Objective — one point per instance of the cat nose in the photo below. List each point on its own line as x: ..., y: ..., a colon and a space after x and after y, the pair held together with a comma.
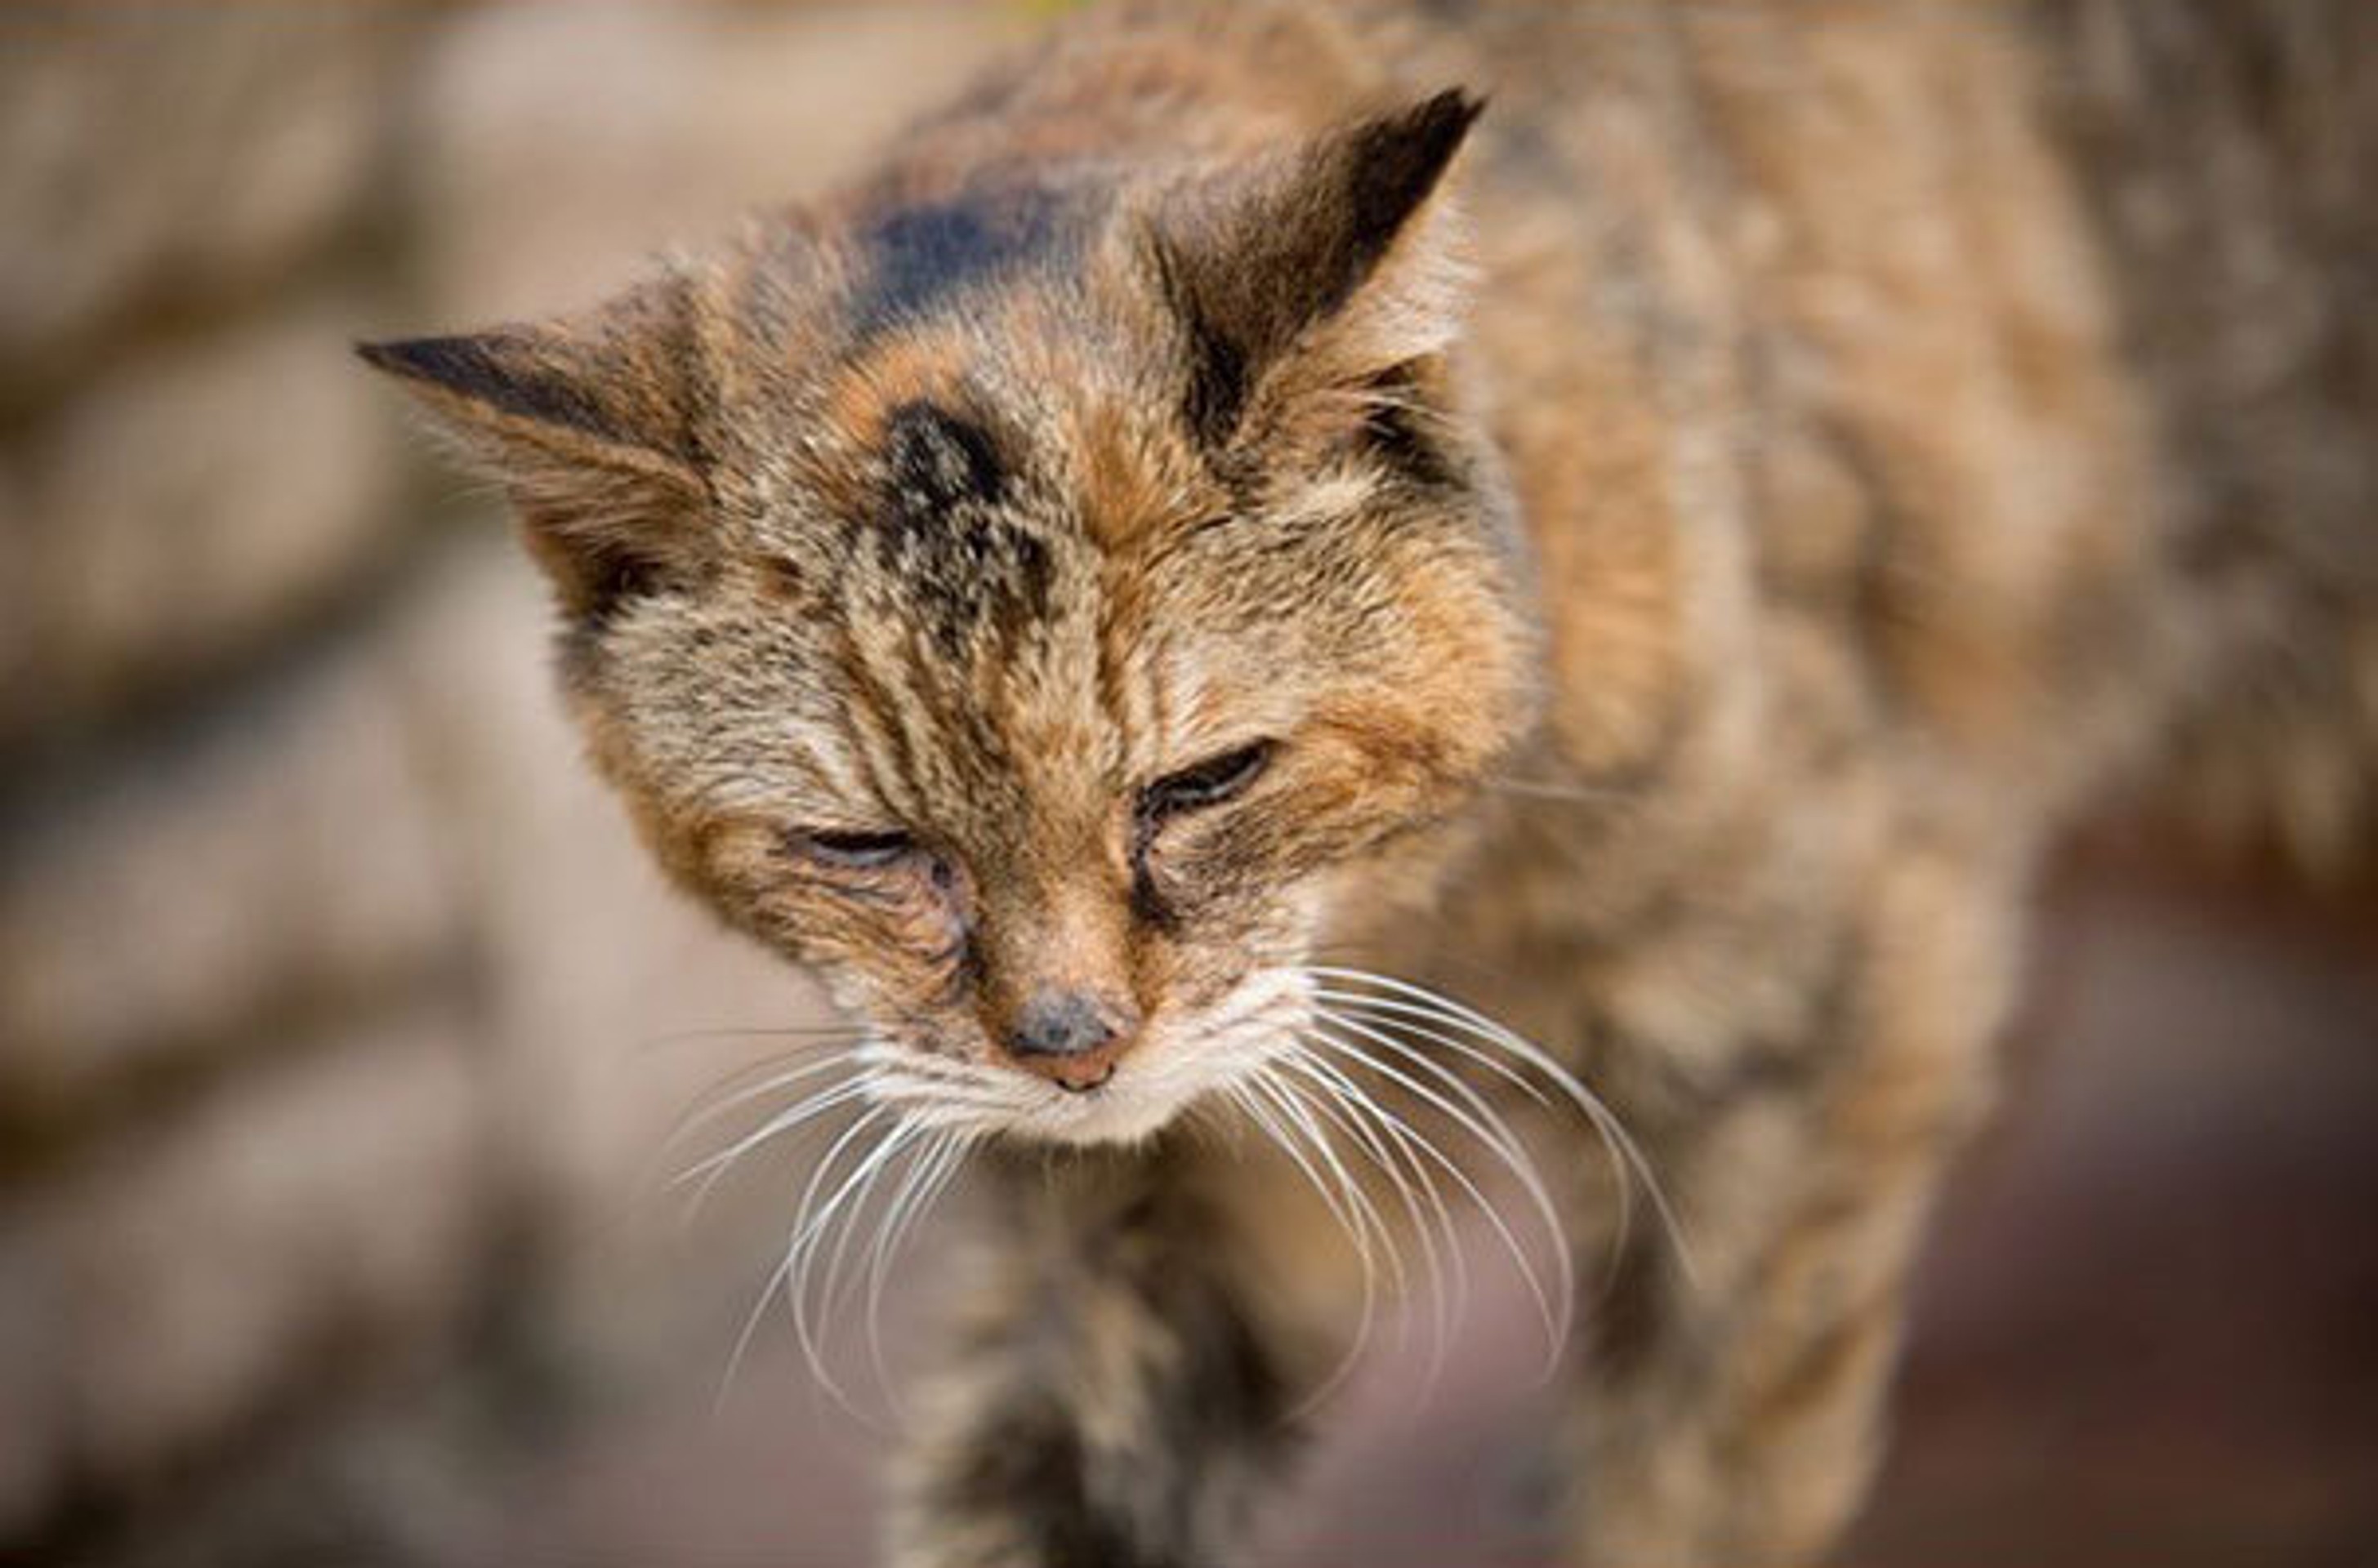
x: 1069, y: 1038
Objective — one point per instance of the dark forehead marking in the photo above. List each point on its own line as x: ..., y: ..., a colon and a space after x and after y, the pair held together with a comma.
x: 944, y: 531
x: 938, y: 461
x: 918, y: 257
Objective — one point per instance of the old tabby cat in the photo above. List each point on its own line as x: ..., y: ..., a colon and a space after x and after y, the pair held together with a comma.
x: 1209, y: 554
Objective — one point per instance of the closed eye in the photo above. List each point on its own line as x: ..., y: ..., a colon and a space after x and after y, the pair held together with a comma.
x: 850, y: 850
x: 1216, y: 779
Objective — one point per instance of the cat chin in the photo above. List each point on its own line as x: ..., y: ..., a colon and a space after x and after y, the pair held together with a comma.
x: 1130, y: 1109
x: 1112, y: 1117
x: 1145, y: 1096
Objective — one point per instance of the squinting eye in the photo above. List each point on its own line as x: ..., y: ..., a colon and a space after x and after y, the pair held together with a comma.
x: 858, y: 852
x: 1208, y: 783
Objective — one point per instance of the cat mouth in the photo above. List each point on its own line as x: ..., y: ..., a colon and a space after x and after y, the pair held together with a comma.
x: 1089, y: 1084
x: 1108, y: 1098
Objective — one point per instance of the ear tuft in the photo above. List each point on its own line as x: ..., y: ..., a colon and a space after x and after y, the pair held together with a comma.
x: 593, y: 424
x: 1256, y: 260
x: 1392, y: 165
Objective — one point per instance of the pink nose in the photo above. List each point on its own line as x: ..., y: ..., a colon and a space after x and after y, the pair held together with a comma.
x: 1068, y: 1038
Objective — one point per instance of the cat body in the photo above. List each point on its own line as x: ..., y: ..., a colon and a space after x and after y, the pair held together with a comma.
x: 1213, y: 532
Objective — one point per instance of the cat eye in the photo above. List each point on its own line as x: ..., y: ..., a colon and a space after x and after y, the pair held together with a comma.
x: 1208, y: 783
x: 850, y: 850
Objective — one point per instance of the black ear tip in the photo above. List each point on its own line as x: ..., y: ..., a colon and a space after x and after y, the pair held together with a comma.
x: 1457, y: 105
x: 1446, y: 117
x: 481, y: 367
x: 416, y: 358
x: 1411, y: 149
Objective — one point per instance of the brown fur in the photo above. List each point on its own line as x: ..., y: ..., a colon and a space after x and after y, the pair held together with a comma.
x: 1700, y: 633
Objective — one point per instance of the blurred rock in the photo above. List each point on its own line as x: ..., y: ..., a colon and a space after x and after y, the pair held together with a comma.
x: 197, y: 501
x: 333, y: 1207
x: 284, y: 862
x: 19, y: 604
x: 33, y: 1369
x: 159, y: 155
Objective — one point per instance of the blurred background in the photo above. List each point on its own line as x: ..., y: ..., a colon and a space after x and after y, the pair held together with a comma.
x: 343, y: 1028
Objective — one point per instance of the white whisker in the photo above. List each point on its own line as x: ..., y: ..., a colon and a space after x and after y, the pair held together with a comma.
x: 717, y: 1102
x: 1408, y: 1019
x: 1401, y: 1017
x: 929, y: 1176
x: 1345, y: 1103
x: 810, y: 1229
x: 1239, y: 1095
x: 713, y: 1169
x: 1294, y: 1105
x: 781, y: 1274
x: 1626, y: 1155
x: 1555, y: 1319
x: 1504, y: 1140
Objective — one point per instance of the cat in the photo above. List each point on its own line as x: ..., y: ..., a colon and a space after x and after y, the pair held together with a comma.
x: 1234, y: 583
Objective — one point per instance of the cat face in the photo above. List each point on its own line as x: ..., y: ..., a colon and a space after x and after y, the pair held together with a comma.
x: 1042, y: 606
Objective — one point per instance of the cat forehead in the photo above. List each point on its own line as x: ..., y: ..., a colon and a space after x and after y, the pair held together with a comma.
x: 965, y: 452
x: 914, y: 260
x: 948, y: 526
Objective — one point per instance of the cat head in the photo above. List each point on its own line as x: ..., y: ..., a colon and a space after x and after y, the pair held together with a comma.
x: 1049, y: 601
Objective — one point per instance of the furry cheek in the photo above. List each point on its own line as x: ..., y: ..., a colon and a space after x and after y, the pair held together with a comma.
x: 901, y: 929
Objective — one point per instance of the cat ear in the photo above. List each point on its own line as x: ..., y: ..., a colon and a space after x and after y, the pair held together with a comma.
x: 590, y: 423
x: 1332, y: 235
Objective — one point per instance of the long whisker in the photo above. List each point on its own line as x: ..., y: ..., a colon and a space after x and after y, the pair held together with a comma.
x: 1265, y: 1116
x: 781, y: 1274
x: 1294, y: 1105
x: 1396, y: 1128
x: 1346, y: 1104
x: 1504, y: 1140
x: 1487, y: 1125
x: 1405, y: 1014
x: 713, y: 1169
x: 1269, y: 1125
x: 1606, y: 1121
x: 718, y: 1101
x: 1555, y: 1318
x: 1401, y: 1018
x: 845, y: 1204
x: 906, y: 1140
x: 939, y: 1164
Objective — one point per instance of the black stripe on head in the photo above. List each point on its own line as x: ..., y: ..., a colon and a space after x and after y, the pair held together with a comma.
x: 942, y: 530
x: 918, y: 257
x: 938, y: 462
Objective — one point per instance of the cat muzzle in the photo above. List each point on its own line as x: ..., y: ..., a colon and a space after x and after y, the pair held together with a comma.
x: 1068, y: 1038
